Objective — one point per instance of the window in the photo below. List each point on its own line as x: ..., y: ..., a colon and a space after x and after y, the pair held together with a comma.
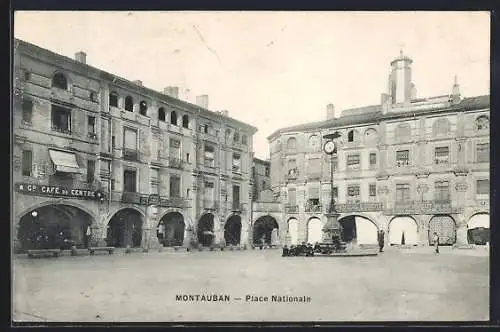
x: 402, y: 192
x: 113, y: 99
x: 236, y: 197
x: 113, y: 141
x: 27, y: 75
x: 130, y: 139
x: 402, y: 158
x: 373, y: 160
x: 236, y: 163
x: 483, y: 153
x: 91, y: 125
x: 482, y: 187
x: 185, y: 121
x: 441, y: 155
x: 335, y: 192
x: 353, y: 161
x: 205, y: 128
x: 442, y: 191
x: 93, y: 96
x: 129, y: 104
x: 402, y: 132
x: 291, y: 144
x: 244, y: 139
x: 143, y: 108
x: 90, y: 171
x: 353, y: 191
x: 267, y: 171
x: 292, y: 196
x: 372, y: 190
x: 175, y: 186
x: 482, y: 123
x: 264, y: 185
x: 441, y: 127
x: 154, y: 174
x: 27, y: 110
x: 292, y: 168
x: 371, y: 137
x: 105, y: 166
x: 113, y: 184
x: 187, y: 157
x: 61, y: 119
x: 209, y: 156
x: 27, y: 162
x: 173, y: 118
x: 129, y: 181
x: 236, y: 137
x: 314, y: 143
x: 161, y: 114
x: 350, y: 136
x: 60, y: 81
x: 175, y: 149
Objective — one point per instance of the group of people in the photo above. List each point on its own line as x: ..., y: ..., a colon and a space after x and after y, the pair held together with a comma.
x: 302, y: 249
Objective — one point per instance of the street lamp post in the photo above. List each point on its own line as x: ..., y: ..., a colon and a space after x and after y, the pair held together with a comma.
x: 331, y: 226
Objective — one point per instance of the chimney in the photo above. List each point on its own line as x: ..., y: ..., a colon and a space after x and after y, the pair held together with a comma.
x: 172, y: 91
x: 81, y: 57
x: 225, y: 112
x: 400, y: 79
x: 330, y: 111
x: 202, y: 101
x: 455, y: 91
x: 138, y: 82
x: 413, y: 91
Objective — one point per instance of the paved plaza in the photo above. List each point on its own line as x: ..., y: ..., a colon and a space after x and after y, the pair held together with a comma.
x: 399, y: 284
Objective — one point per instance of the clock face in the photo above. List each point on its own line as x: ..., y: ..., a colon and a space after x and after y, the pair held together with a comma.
x: 329, y: 147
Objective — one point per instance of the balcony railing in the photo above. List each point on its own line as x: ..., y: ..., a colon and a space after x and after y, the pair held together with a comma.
x: 292, y: 209
x: 175, y: 163
x: 292, y: 174
x: 61, y: 130
x: 359, y: 207
x: 424, y: 207
x: 177, y: 202
x: 130, y: 154
x: 313, y: 208
x: 131, y: 197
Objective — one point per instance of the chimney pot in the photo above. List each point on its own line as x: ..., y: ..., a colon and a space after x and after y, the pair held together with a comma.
x: 81, y: 57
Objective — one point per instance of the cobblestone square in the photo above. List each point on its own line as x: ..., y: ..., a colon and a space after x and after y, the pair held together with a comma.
x: 407, y: 285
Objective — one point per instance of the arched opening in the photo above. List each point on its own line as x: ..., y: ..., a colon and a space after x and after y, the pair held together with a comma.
x: 113, y: 99
x: 173, y: 118
x: 185, y: 121
x: 403, y: 231
x: 359, y: 229
x: 478, y: 229
x: 206, y: 230
x: 60, y: 81
x: 291, y: 144
x: 263, y: 230
x: 314, y: 230
x: 293, y: 231
x: 482, y: 123
x: 444, y: 226
x: 161, y: 114
x: 129, y: 104
x: 143, y: 108
x: 350, y: 136
x: 170, y: 230
x: 232, y: 230
x: 125, y: 229
x: 54, y: 226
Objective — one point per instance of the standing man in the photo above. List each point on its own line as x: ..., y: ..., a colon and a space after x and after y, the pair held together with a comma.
x: 436, y: 243
x: 381, y: 235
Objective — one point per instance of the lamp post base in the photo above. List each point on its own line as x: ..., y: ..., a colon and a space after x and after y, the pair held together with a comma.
x: 332, y: 227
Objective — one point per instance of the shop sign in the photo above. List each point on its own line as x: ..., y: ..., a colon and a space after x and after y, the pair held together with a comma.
x: 57, y: 191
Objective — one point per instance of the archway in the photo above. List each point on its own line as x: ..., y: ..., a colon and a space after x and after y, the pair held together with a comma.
x: 171, y: 229
x: 293, y: 231
x: 403, y: 231
x: 359, y: 229
x: 232, y: 230
x: 125, y: 229
x: 263, y: 228
x: 478, y: 229
x: 48, y: 227
x: 314, y: 231
x: 206, y: 229
x: 444, y: 226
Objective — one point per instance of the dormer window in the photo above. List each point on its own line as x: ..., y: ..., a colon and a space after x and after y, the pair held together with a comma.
x: 59, y: 81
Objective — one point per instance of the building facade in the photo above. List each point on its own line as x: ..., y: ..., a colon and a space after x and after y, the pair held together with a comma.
x: 410, y: 166
x: 261, y: 175
x: 105, y: 161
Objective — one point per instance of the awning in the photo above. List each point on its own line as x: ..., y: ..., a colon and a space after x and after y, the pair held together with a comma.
x: 65, y: 161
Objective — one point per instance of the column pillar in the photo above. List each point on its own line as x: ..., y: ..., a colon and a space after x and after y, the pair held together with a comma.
x: 149, y: 238
x: 461, y: 234
x: 97, y: 237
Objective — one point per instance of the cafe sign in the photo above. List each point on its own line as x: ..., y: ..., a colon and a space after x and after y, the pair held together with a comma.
x: 56, y: 191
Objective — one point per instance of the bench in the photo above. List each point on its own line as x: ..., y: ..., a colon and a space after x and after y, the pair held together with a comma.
x: 108, y: 249
x: 44, y: 253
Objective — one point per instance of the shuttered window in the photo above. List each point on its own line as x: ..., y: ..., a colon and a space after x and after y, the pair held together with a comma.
x: 27, y: 162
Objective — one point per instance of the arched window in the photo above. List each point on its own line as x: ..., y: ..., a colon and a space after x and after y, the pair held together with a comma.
x: 371, y: 136
x: 291, y: 144
x: 482, y: 123
x: 244, y: 139
x: 129, y: 104
x: 441, y: 127
x: 143, y: 108
x: 60, y: 81
x: 161, y: 114
x: 173, y: 118
x: 352, y: 136
x: 314, y: 143
x: 113, y: 99
x: 185, y: 121
x: 402, y: 132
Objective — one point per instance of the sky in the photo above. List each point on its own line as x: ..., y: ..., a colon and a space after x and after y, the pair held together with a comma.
x: 273, y: 69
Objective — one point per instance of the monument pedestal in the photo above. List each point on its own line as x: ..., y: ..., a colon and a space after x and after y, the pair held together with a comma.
x: 332, y: 226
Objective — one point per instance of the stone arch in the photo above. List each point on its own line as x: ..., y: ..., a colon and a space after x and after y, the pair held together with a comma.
x: 314, y: 230
x: 232, y: 229
x: 171, y: 229
x: 121, y: 207
x: 263, y: 229
x: 293, y: 230
x: 355, y: 228
x: 477, y: 232
x: 59, y: 202
x: 446, y: 228
x: 371, y: 137
x: 206, y: 228
x: 125, y: 228
x: 56, y: 225
x: 60, y: 80
x: 291, y: 143
x: 403, y: 230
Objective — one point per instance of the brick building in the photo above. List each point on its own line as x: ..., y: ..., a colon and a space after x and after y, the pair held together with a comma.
x: 411, y: 166
x: 105, y: 161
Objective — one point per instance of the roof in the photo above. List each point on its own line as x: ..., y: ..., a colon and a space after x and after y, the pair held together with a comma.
x: 261, y: 161
x: 134, y: 86
x: 373, y: 113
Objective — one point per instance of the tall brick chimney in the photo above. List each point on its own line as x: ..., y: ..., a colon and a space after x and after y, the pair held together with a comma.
x: 81, y: 57
x: 202, y: 101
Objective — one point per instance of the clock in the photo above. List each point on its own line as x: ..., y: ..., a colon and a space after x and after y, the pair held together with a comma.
x: 329, y: 147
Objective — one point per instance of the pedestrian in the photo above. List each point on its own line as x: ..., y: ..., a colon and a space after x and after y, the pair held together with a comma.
x: 285, y: 251
x: 436, y: 243
x: 381, y: 235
